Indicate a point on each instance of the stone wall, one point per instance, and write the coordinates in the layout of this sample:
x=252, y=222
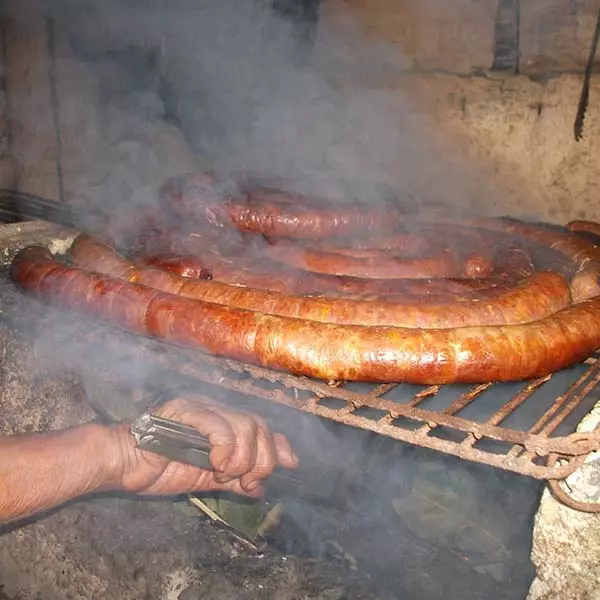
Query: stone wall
x=518, y=135
x=515, y=132
x=458, y=36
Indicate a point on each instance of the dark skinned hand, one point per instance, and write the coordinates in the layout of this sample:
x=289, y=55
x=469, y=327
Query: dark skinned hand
x=244, y=453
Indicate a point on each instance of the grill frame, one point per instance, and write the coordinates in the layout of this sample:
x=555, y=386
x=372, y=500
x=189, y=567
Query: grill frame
x=532, y=452
x=562, y=455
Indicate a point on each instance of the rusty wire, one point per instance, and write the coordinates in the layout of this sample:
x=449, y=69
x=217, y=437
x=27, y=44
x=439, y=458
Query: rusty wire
x=558, y=491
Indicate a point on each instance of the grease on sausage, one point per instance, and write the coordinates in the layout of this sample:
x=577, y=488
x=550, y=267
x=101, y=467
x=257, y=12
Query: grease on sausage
x=321, y=350
x=541, y=295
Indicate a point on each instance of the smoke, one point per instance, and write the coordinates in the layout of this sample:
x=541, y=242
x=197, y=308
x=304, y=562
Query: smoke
x=166, y=87
x=148, y=89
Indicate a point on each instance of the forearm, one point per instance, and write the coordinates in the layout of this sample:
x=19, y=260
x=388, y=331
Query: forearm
x=43, y=470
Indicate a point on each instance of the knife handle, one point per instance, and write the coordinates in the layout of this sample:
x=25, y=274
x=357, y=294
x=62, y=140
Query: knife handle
x=172, y=440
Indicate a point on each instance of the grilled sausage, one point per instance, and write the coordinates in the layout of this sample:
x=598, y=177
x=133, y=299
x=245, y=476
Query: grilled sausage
x=585, y=227
x=184, y=266
x=294, y=281
x=445, y=264
x=580, y=253
x=541, y=295
x=270, y=212
x=321, y=350
x=237, y=265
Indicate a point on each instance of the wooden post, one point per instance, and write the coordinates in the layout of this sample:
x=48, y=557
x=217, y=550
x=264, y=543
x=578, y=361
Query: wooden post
x=31, y=118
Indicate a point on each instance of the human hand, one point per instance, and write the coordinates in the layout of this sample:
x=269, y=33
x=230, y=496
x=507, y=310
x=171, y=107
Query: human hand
x=244, y=452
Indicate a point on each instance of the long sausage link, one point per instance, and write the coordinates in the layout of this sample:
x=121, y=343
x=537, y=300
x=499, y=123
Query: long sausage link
x=298, y=282
x=184, y=266
x=584, y=226
x=583, y=255
x=320, y=350
x=205, y=199
x=541, y=295
x=443, y=265
x=295, y=281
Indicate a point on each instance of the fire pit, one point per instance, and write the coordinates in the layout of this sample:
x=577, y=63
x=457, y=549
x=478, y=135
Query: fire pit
x=413, y=492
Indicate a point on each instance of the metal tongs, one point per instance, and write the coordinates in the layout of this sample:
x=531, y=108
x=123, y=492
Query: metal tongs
x=318, y=482
x=184, y=444
x=173, y=440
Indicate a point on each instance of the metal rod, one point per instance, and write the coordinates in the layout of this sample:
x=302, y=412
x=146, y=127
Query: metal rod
x=585, y=89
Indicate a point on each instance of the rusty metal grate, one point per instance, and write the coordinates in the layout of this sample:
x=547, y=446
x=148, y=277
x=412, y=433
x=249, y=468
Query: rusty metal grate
x=520, y=427
x=527, y=428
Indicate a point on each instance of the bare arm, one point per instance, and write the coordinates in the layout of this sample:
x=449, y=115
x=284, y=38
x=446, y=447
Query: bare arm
x=43, y=470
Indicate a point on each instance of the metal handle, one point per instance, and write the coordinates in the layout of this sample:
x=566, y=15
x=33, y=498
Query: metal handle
x=172, y=440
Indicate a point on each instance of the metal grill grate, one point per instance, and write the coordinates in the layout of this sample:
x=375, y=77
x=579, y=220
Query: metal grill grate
x=528, y=428
x=520, y=427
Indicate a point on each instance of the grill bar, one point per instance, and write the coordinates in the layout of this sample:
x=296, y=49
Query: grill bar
x=530, y=452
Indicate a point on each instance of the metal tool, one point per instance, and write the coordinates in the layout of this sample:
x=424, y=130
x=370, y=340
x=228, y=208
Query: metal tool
x=172, y=440
x=585, y=89
x=320, y=483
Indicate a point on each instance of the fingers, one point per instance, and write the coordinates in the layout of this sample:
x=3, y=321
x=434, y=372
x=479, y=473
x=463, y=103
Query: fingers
x=266, y=459
x=200, y=414
x=178, y=478
x=243, y=448
x=285, y=455
x=243, y=457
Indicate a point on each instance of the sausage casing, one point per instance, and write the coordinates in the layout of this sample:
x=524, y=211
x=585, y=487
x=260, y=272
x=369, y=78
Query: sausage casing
x=321, y=350
x=537, y=297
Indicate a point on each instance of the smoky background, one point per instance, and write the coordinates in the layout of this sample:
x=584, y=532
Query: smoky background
x=254, y=95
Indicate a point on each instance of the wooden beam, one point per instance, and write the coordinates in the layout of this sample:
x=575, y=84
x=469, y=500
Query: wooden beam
x=31, y=120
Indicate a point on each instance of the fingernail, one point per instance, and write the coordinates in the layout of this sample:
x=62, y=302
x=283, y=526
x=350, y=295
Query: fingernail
x=223, y=466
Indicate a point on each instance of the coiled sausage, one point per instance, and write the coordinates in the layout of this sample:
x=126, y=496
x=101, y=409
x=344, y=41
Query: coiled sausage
x=321, y=350
x=541, y=295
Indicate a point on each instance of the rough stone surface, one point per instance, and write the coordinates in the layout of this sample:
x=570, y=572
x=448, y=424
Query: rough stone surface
x=506, y=146
x=566, y=543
